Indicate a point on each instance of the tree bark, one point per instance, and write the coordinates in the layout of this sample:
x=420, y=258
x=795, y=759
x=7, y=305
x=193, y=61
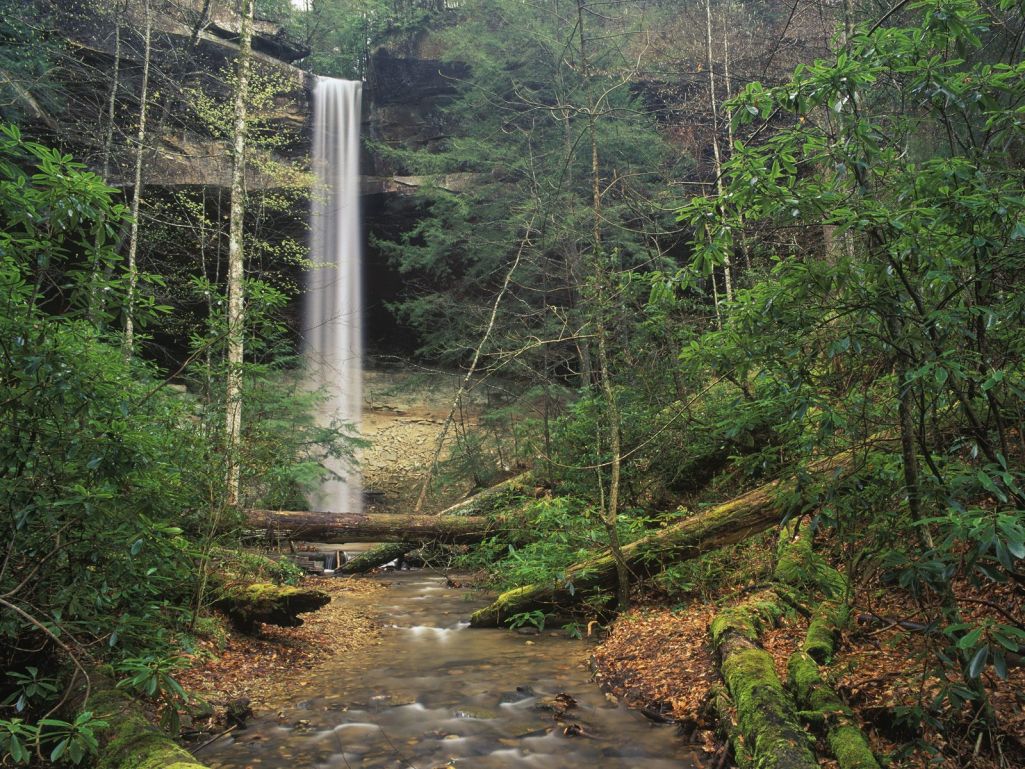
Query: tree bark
x=140, y=143
x=713, y=101
x=376, y=556
x=725, y=524
x=374, y=527
x=601, y=320
x=236, y=264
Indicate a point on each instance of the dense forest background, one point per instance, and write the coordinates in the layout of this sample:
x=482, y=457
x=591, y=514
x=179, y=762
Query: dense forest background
x=696, y=247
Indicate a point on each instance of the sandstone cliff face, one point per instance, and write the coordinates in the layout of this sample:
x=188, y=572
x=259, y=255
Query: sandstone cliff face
x=194, y=46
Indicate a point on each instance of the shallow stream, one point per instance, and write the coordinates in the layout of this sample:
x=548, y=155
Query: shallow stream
x=434, y=693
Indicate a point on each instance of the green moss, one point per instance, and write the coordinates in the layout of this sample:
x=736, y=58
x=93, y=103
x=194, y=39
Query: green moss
x=749, y=619
x=132, y=742
x=850, y=749
x=826, y=711
x=765, y=715
x=800, y=566
x=829, y=617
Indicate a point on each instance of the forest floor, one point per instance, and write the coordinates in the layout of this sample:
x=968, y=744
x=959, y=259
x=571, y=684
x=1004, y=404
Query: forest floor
x=266, y=669
x=658, y=658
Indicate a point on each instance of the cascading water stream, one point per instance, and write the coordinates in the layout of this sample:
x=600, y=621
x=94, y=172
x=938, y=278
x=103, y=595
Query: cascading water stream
x=333, y=310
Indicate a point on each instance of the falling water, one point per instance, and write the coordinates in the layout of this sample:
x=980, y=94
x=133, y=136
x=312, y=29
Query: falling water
x=332, y=316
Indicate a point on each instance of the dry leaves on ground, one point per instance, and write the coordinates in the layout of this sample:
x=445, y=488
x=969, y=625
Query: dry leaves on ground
x=266, y=667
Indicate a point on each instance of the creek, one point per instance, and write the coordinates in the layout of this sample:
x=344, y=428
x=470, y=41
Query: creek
x=433, y=693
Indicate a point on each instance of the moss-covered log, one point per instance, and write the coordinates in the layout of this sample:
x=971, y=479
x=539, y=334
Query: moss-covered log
x=273, y=604
x=371, y=527
x=823, y=707
x=820, y=704
x=768, y=729
x=768, y=732
x=496, y=500
x=722, y=525
x=374, y=557
x=131, y=741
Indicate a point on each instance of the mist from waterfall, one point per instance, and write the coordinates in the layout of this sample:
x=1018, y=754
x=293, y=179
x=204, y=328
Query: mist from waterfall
x=333, y=307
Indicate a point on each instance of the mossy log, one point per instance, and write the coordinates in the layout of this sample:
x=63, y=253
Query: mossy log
x=272, y=604
x=374, y=557
x=822, y=706
x=131, y=741
x=725, y=524
x=819, y=702
x=372, y=527
x=768, y=733
x=768, y=730
x=498, y=499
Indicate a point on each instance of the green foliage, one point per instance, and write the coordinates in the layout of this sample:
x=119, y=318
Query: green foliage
x=72, y=741
x=109, y=476
x=246, y=567
x=899, y=161
x=517, y=134
x=64, y=741
x=563, y=530
x=534, y=619
x=342, y=35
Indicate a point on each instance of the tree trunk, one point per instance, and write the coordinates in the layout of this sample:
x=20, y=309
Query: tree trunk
x=727, y=269
x=236, y=264
x=601, y=278
x=376, y=556
x=725, y=524
x=140, y=143
x=373, y=527
x=464, y=387
x=95, y=298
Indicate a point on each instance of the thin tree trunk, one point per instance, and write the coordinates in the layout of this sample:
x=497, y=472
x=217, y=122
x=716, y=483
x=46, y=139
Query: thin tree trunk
x=95, y=299
x=728, y=116
x=611, y=506
x=133, y=238
x=236, y=265
x=465, y=385
x=727, y=270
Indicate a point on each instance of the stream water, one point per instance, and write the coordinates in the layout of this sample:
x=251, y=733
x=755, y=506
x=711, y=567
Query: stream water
x=434, y=694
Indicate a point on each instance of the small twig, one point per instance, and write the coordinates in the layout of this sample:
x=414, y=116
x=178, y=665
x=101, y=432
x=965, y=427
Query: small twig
x=214, y=739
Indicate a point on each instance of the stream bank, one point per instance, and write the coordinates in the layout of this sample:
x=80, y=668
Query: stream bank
x=427, y=692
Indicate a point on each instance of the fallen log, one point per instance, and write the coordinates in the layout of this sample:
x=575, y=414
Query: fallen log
x=131, y=741
x=725, y=524
x=768, y=732
x=497, y=499
x=273, y=604
x=372, y=527
x=465, y=522
x=374, y=557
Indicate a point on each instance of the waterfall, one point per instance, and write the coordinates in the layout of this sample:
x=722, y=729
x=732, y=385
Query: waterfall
x=333, y=308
